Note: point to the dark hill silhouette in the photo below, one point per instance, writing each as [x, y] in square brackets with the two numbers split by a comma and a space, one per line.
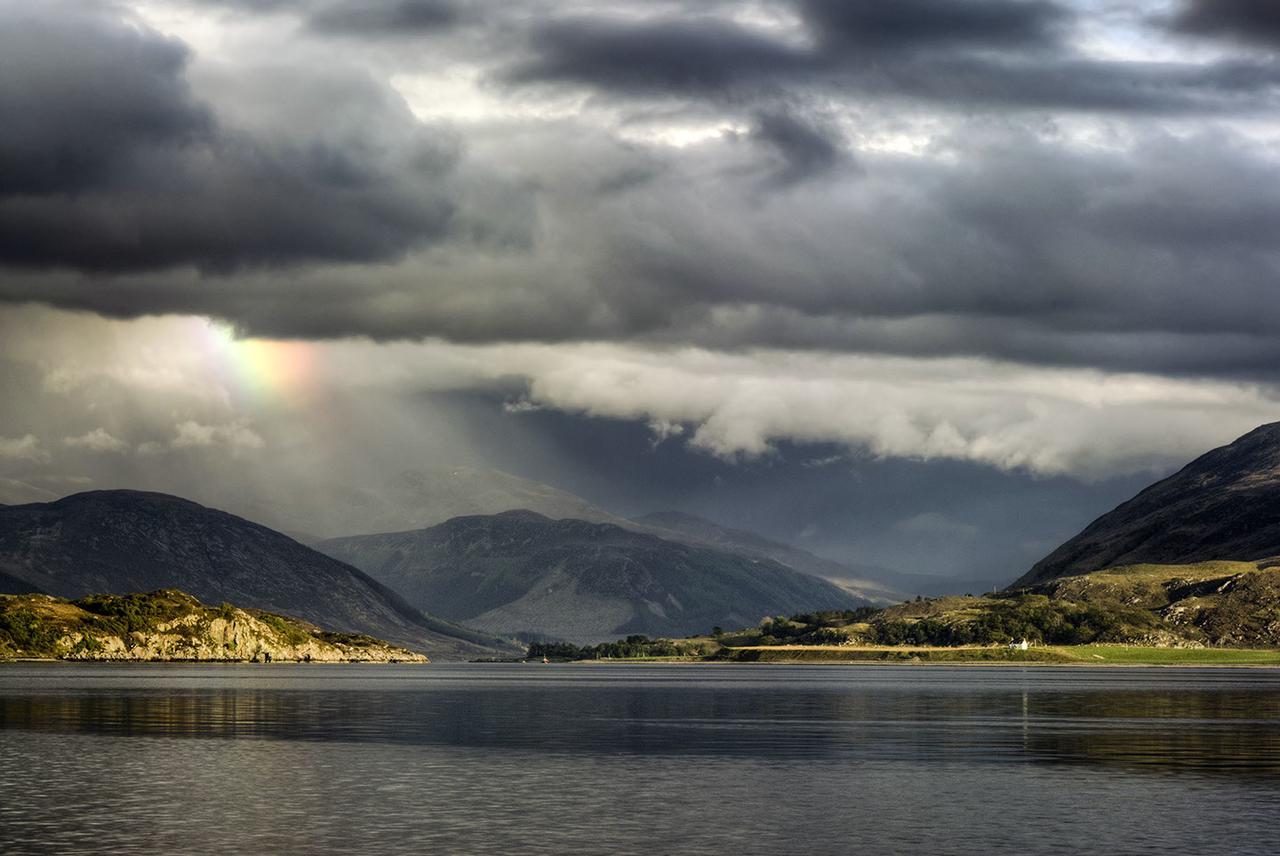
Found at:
[120, 541]
[1224, 505]
[522, 573]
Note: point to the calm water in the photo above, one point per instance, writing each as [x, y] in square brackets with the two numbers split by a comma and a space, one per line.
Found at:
[631, 759]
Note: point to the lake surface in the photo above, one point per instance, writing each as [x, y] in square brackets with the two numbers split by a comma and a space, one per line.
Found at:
[514, 759]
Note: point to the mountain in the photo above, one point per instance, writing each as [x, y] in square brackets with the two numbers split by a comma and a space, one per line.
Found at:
[1225, 505]
[411, 500]
[309, 509]
[522, 573]
[13, 585]
[173, 625]
[871, 583]
[121, 541]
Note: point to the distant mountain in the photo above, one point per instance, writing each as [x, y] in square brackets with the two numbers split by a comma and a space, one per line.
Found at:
[521, 573]
[1225, 505]
[13, 585]
[413, 500]
[14, 492]
[126, 541]
[873, 584]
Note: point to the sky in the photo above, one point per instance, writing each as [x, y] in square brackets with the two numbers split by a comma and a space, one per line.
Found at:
[925, 283]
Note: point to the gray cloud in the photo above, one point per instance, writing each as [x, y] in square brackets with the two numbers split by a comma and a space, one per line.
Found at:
[668, 56]
[302, 198]
[992, 53]
[379, 17]
[869, 25]
[1250, 20]
[806, 148]
[1009, 246]
[84, 97]
[113, 165]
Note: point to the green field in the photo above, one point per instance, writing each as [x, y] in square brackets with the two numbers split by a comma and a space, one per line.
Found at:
[1079, 655]
[1138, 655]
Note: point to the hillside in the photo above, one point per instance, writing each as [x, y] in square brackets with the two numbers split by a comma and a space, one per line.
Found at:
[125, 541]
[1225, 505]
[868, 582]
[1218, 604]
[520, 573]
[172, 625]
[691, 529]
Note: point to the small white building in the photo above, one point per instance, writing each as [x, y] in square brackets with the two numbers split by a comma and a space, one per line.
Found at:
[1020, 645]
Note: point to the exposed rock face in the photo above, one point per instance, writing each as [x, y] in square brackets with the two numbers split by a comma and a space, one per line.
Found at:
[172, 625]
[524, 574]
[1219, 603]
[1224, 505]
[128, 541]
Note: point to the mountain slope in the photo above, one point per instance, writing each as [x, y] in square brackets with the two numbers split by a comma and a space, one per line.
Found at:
[1225, 505]
[126, 541]
[874, 584]
[523, 573]
[13, 585]
[698, 531]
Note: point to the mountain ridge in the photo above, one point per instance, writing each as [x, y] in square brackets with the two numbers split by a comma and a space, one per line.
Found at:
[115, 542]
[1224, 505]
[520, 572]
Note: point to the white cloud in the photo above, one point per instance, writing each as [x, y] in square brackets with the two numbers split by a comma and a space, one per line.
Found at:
[97, 440]
[233, 435]
[25, 448]
[1048, 421]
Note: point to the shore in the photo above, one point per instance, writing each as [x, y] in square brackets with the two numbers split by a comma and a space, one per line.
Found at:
[1067, 655]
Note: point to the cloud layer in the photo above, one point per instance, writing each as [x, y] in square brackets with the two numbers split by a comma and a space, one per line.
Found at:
[1012, 232]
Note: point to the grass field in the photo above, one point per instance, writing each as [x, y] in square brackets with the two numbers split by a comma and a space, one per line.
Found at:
[1120, 655]
[1137, 655]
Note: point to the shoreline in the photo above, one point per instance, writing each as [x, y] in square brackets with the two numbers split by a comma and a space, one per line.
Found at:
[1085, 655]
[194, 662]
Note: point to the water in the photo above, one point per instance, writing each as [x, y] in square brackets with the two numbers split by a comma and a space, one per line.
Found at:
[496, 759]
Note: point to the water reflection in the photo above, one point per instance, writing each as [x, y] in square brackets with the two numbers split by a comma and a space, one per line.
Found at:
[1196, 720]
[609, 760]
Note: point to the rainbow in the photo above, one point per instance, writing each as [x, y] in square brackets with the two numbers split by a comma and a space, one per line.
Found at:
[262, 368]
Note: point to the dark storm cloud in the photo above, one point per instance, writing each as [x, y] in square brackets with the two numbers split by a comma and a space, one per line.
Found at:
[876, 26]
[305, 200]
[806, 150]
[109, 163]
[1251, 20]
[962, 54]
[81, 100]
[384, 17]
[376, 18]
[680, 55]
[1156, 257]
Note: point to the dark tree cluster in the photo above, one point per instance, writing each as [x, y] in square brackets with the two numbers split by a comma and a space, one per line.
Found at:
[633, 647]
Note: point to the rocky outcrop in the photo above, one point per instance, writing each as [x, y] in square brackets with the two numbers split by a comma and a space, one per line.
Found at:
[1215, 603]
[173, 626]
